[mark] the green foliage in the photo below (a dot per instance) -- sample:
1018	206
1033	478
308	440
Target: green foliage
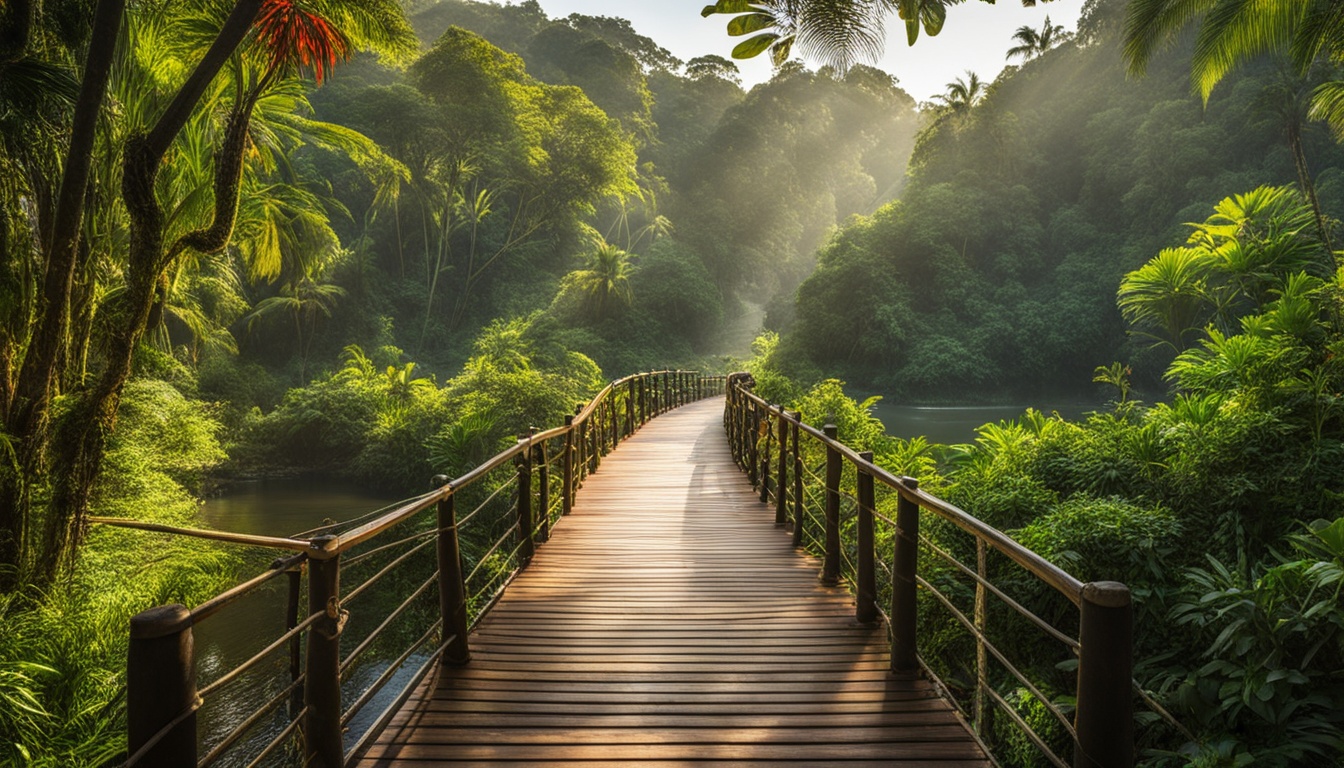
993	274
1105	539
1268	677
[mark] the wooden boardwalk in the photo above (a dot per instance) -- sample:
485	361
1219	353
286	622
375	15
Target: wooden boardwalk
667	623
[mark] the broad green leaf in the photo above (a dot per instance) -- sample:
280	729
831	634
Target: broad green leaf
933	14
748	23
754	46
728	6
912	29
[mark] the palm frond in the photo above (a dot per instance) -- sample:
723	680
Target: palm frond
1151	24
1235	30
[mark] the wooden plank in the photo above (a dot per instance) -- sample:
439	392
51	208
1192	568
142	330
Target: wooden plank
666	622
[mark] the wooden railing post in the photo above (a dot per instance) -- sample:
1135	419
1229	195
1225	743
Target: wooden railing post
322	686
161	686
543	491
799	512
294	577
567	464
782	471
643	399
866	588
904	608
830	568
765	458
749	428
526	547
452	589
1105	718
590	430
630	424
582	447
615	420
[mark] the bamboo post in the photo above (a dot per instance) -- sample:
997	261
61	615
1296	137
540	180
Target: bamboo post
904	608
866	598
161	686
799	512
567	464
452	589
830	569
526	547
322	686
1105	718
782	471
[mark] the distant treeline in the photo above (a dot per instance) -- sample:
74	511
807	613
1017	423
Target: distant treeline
995	273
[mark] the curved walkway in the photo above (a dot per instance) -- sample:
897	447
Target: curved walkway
668	623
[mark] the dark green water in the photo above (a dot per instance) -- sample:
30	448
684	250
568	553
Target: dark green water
223	641
957	424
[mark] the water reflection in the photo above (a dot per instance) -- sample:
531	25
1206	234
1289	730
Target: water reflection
271	508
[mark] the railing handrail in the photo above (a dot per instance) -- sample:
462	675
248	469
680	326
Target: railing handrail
1102	727
162	728
1062	581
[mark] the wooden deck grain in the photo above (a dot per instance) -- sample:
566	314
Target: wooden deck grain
668	623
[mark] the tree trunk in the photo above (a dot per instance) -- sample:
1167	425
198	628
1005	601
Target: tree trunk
1304	180
78	455
28	417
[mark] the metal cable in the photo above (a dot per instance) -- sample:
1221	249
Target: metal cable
391	617
279	738
357	591
232	675
378	684
1044	625
989	646
486	557
242	728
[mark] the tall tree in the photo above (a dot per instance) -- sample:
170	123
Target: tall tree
1032	43
288	36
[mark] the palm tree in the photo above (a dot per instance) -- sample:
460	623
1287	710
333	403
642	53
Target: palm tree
304	300
837	33
605	282
1232	31
1168	296
1033	43
963	94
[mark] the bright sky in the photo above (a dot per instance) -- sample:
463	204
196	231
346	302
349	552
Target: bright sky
975	37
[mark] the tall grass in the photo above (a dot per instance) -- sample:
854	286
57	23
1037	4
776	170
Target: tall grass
63	649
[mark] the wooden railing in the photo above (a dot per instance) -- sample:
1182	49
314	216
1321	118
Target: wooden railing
810	475
331	654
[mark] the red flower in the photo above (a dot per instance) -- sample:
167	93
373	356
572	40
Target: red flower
298	38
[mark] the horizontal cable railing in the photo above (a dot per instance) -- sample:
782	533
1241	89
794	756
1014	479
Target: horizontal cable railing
936	575
371	642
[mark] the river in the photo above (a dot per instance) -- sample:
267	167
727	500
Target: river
272	508
957	423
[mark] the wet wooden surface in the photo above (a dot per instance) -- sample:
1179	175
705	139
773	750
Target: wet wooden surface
668	623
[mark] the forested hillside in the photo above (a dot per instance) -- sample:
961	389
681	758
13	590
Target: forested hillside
368	240
994	275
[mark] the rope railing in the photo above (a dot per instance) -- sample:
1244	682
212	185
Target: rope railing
522	491
864	522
